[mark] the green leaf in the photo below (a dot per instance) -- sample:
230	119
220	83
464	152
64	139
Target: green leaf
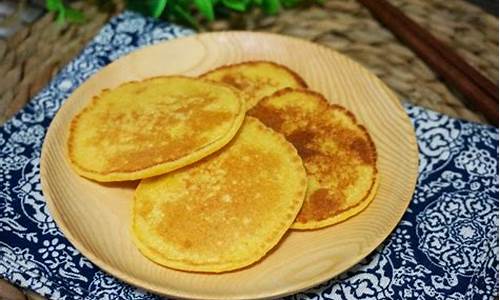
61	17
74	15
257	2
205	7
185	4
139	6
159	7
152	8
168	12
182	14
54	5
271	6
238	5
291	3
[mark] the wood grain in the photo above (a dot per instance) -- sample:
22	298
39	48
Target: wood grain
95	217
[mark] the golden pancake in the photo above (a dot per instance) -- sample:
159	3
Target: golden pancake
343	215
225	211
338	154
257	79
147	128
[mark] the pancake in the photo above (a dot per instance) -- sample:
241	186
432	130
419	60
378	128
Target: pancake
147	128
225	211
257	79
342	215
338	154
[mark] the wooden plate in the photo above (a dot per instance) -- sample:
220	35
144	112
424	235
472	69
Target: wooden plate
95	217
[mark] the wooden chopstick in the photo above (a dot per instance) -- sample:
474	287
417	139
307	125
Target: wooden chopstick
446	52
481	92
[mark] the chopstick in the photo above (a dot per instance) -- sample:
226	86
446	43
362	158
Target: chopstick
481	92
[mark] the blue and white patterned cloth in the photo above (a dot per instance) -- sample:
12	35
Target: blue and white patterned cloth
445	247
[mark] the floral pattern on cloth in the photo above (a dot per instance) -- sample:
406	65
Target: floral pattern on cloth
445	247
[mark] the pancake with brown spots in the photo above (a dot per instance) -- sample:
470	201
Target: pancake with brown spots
338	154
147	128
225	211
257	79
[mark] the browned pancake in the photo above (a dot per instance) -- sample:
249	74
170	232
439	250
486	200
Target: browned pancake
225	211
257	79
147	128
338	154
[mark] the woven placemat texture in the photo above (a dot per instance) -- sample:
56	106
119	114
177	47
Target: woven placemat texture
33	56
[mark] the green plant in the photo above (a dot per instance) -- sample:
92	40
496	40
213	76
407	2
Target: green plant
182	10
64	13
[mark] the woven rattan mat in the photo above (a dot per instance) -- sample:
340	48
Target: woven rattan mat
31	57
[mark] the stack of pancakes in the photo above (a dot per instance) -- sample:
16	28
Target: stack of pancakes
228	162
